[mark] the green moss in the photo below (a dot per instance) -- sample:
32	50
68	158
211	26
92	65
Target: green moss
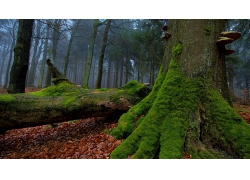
207	30
139	121
177	49
132	89
102	89
167	119
61	89
229	131
6	98
126	122
125	127
164	121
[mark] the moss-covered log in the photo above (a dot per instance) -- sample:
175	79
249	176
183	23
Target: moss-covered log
65	101
185	115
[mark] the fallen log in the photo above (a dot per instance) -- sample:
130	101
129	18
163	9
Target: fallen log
65	101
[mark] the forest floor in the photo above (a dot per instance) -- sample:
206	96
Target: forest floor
78	139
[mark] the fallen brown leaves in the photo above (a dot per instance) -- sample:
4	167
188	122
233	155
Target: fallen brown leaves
81	139
243	111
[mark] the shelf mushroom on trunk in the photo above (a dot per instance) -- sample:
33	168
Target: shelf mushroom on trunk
226	38
166	35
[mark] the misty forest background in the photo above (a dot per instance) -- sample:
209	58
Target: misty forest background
134	51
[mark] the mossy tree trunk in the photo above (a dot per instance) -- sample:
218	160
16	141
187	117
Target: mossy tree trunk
102	52
185	113
21	57
65	101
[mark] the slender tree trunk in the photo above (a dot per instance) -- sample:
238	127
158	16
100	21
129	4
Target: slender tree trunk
41	74
69	46
247	86
127	63
32	71
116	74
138	70
121	72
11	54
109	73
87	68
21	58
185	115
2	63
100	62
55	37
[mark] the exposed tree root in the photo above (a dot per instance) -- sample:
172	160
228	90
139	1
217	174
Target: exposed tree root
187	118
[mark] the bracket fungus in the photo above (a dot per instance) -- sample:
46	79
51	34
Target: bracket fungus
231	34
229	51
222	41
226	38
165	28
166	36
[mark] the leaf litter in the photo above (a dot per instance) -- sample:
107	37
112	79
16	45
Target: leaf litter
78	139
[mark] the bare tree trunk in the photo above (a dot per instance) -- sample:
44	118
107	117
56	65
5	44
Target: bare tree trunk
69	46
45	49
116	74
21	58
109	73
32	71
121	72
87	68
3	60
100	63
11	54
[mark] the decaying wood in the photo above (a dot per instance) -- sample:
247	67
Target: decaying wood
63	102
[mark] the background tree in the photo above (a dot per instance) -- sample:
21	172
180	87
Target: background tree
45	49
21	57
100	62
74	30
87	68
34	59
12	31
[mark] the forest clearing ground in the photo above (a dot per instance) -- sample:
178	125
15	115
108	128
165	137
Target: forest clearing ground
79	139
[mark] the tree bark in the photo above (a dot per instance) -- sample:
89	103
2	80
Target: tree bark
4	54
100	63
65	101
87	68
11	54
185	115
21	57
45	49
32	71
69	47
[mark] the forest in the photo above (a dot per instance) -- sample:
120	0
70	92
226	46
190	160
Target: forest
124	89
